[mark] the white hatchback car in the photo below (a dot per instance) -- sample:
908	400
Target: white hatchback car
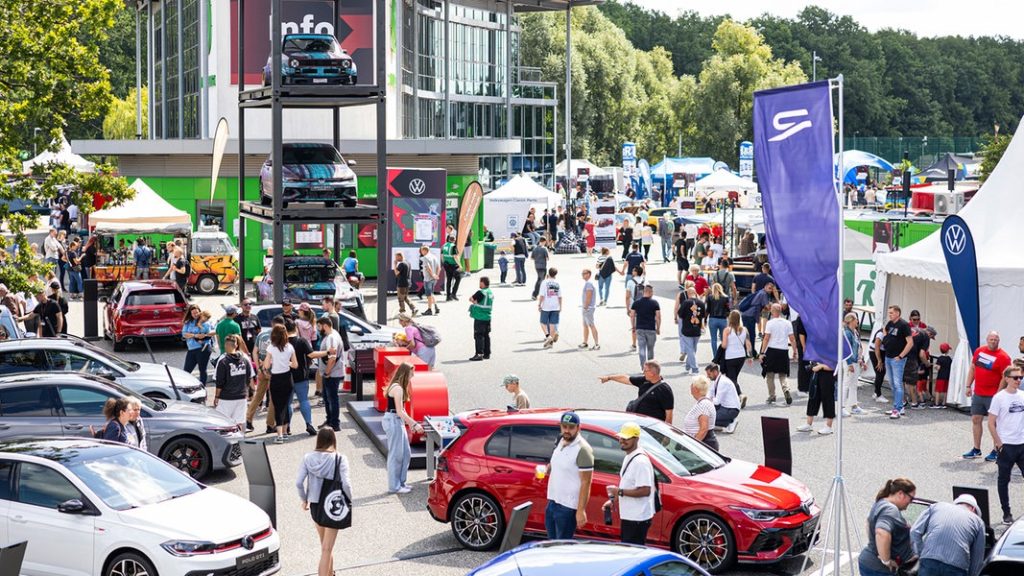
89	507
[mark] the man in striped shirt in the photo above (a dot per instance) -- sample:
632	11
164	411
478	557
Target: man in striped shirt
950	538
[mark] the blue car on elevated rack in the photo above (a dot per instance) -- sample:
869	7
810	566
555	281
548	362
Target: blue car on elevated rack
312	59
562	557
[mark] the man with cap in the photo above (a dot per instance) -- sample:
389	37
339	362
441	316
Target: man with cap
950	538
228	325
288	309
635	491
249	324
511	385
569	473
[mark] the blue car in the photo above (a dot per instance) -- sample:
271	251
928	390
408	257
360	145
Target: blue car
312	59
561	557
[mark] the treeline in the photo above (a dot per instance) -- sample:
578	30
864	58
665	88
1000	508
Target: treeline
897	84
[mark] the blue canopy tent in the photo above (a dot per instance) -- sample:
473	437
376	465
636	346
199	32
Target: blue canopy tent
854	158
662	172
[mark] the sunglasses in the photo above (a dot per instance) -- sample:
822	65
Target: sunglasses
1017	378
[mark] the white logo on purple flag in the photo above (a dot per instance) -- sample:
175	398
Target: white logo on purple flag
790	128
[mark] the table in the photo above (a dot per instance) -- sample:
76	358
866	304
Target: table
440	431
866	313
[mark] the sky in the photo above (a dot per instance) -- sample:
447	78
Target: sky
923	17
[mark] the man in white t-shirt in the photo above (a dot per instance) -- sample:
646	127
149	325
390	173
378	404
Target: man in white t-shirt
727	400
1006	424
778	337
570	473
589	305
635	491
549	303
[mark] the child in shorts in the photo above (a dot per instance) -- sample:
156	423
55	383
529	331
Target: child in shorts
503	264
945	364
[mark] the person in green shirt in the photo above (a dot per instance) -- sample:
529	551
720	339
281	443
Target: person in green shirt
452	271
480	312
228	325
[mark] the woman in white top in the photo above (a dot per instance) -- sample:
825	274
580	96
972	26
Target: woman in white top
699	422
280	360
737	350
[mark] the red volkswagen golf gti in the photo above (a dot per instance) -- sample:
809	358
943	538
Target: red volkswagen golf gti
715	510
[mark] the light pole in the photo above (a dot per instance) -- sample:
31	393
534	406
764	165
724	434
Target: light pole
35	137
814	65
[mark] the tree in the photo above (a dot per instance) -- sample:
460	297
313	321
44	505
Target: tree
724	99
119	123
50	74
993	153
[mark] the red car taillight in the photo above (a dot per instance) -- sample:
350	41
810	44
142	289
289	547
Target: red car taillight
128	311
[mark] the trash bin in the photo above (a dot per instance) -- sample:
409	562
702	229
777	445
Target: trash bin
489	250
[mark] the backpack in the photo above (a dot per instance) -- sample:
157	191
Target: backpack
657	487
746	303
428	335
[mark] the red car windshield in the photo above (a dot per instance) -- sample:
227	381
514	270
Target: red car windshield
681	454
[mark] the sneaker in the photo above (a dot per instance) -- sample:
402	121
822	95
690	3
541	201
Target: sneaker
682	357
555	338
279	440
271	430
428	313
903	411
880	399
310	430
404	490
938	406
743	401
414	312
1007	518
801	394
437	311
789	397
992	456
248	426
972	454
771	400
856	410
632	348
583	346
596	347
804	428
476	358
547	343
918	406
894	415
732	426
846	413
825	430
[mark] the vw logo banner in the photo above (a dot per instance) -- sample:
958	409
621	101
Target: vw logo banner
962	262
793	147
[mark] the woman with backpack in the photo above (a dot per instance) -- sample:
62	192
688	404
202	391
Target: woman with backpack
414	341
606	268
318	466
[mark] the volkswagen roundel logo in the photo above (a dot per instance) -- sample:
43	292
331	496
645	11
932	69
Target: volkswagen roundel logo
248	543
955	239
417	186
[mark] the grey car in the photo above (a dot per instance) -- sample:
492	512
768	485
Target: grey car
70	354
194	438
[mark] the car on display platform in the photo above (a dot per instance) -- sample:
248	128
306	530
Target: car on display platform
74	355
310	278
716	510
150	309
95	507
362	333
194	438
310	172
312	59
560	557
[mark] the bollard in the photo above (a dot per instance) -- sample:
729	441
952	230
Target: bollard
516	524
90	318
262	491
11	558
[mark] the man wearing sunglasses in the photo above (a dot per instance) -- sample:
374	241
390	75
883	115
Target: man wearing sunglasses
1006	424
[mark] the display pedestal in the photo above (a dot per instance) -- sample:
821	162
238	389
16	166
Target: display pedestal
369	420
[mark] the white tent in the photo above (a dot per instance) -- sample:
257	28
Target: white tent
724	181
917	277
63	156
146	213
595	170
505	209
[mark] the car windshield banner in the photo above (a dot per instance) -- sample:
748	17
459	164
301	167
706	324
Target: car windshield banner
793	146
962	262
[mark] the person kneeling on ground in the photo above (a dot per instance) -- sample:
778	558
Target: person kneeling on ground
727	401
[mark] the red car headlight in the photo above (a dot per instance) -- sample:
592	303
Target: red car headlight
760	515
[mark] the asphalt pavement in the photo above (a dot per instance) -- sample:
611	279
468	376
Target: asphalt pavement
394	534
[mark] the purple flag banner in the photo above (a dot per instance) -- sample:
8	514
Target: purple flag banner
793	153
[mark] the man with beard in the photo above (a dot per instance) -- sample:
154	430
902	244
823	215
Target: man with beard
571	470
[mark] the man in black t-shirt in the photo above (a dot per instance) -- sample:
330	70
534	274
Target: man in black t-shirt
690	315
49	318
249	324
654	395
646	316
897	343
633	259
402	280
682	264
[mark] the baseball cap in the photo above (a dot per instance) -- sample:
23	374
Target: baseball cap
230	309
55	285
629	430
286	302
943	347
570	418
304	306
509	379
969	500
930	332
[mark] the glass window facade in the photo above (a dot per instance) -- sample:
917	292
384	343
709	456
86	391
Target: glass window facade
176	70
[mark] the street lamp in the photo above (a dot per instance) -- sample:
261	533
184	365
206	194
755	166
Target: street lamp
35	136
814	65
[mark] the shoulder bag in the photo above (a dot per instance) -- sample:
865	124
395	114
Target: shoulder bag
335	509
635	403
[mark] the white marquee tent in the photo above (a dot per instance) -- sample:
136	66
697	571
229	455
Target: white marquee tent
146	213
505	209
917	277
63	156
595	170
724	181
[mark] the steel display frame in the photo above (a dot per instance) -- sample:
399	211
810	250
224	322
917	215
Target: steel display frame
278	98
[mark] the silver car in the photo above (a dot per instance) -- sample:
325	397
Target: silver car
194	438
70	354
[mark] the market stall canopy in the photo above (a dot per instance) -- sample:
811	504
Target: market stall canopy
63	156
505	209
700	167
724	181
595	170
146	213
963	167
854	158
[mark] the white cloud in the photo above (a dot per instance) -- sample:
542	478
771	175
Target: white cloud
923	17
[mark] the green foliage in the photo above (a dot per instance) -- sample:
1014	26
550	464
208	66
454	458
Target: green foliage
119	123
993	152
50	76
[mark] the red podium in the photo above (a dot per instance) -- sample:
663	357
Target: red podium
388	360
429	392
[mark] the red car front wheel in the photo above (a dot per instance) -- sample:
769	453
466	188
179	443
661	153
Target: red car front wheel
477	521
706	540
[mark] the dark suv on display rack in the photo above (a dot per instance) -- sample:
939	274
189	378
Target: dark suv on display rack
312	59
311	172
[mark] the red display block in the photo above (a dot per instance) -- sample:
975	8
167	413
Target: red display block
387	361
429	397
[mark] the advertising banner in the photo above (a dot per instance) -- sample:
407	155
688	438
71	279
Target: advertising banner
470	205
793	149
416	217
746	159
962	261
353	27
604	224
